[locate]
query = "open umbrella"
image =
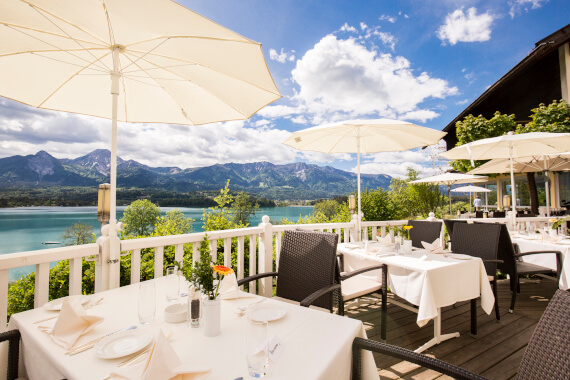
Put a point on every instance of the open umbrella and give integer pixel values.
(129, 60)
(363, 136)
(511, 146)
(470, 190)
(450, 179)
(538, 163)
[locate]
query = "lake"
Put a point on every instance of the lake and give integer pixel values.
(25, 228)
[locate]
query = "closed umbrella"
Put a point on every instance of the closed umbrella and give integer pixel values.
(511, 146)
(531, 164)
(450, 179)
(363, 136)
(149, 61)
(471, 190)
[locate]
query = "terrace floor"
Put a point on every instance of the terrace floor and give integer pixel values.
(495, 353)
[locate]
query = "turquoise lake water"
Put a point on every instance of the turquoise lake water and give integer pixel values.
(25, 228)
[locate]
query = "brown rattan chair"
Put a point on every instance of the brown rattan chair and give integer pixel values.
(449, 223)
(13, 338)
(512, 265)
(309, 272)
(480, 240)
(547, 355)
(424, 231)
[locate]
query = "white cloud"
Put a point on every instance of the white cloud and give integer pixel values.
(281, 57)
(517, 6)
(470, 77)
(387, 18)
(387, 39)
(343, 78)
(347, 28)
(363, 26)
(461, 102)
(420, 115)
(273, 112)
(465, 27)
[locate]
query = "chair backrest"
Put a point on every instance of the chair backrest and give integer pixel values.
(479, 240)
(506, 252)
(498, 214)
(423, 231)
(547, 355)
(307, 263)
(13, 338)
(478, 214)
(449, 225)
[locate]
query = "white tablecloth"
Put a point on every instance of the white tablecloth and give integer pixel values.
(429, 284)
(532, 243)
(317, 345)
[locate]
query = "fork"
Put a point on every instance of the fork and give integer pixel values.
(137, 358)
(57, 315)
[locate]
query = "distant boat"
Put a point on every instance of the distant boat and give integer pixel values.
(51, 242)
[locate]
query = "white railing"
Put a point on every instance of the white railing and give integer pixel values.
(263, 241)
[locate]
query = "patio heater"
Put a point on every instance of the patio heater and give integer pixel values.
(104, 204)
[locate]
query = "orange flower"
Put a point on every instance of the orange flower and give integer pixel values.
(222, 270)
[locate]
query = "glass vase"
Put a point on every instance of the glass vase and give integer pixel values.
(194, 307)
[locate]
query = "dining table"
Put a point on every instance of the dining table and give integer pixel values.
(427, 280)
(529, 242)
(315, 344)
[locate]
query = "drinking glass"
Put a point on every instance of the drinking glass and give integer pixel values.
(256, 347)
(147, 302)
(172, 284)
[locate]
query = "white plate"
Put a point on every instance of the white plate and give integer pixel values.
(267, 313)
(459, 256)
(123, 344)
(55, 305)
(351, 246)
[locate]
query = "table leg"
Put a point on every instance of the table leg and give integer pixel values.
(437, 337)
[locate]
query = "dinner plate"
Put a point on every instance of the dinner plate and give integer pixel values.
(267, 313)
(123, 344)
(459, 256)
(351, 246)
(55, 305)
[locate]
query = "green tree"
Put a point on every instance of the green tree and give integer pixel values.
(140, 218)
(473, 128)
(327, 207)
(415, 199)
(78, 233)
(243, 209)
(174, 223)
(553, 118)
(377, 205)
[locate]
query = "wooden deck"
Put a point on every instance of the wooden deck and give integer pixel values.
(496, 351)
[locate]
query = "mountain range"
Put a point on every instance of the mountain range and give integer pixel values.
(289, 181)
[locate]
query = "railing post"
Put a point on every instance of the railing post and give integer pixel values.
(266, 257)
(108, 264)
(354, 232)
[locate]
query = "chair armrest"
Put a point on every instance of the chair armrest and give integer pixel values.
(256, 277)
(557, 253)
(494, 261)
(360, 344)
(361, 270)
(13, 338)
(313, 297)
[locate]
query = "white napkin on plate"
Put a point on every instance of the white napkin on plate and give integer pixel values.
(71, 324)
(162, 364)
(229, 289)
(434, 247)
(386, 240)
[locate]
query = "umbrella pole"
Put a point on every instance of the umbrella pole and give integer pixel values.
(547, 187)
(513, 188)
(449, 196)
(358, 180)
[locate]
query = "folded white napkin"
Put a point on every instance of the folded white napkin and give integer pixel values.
(72, 322)
(229, 289)
(162, 364)
(434, 247)
(386, 240)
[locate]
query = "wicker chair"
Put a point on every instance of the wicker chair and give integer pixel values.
(480, 240)
(423, 231)
(510, 255)
(449, 223)
(547, 355)
(309, 272)
(13, 338)
(498, 214)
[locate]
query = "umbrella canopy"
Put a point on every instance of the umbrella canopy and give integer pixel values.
(471, 189)
(450, 179)
(531, 164)
(363, 136)
(131, 61)
(511, 146)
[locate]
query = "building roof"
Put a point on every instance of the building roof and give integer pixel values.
(534, 80)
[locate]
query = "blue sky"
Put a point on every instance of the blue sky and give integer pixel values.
(417, 60)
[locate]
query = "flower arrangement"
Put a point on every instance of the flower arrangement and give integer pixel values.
(555, 223)
(205, 275)
(407, 229)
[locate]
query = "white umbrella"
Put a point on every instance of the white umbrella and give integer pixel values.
(450, 179)
(471, 190)
(129, 60)
(538, 163)
(363, 136)
(511, 146)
